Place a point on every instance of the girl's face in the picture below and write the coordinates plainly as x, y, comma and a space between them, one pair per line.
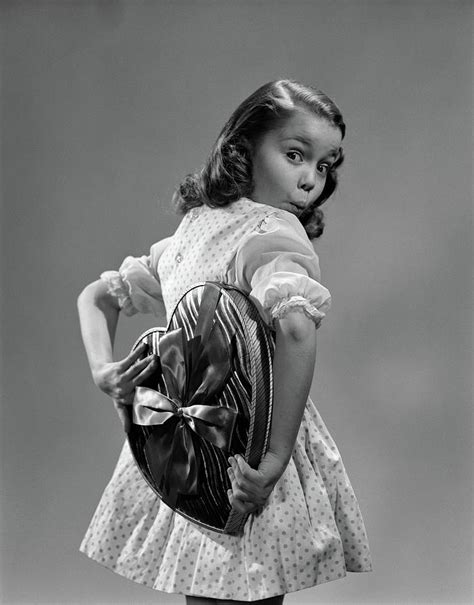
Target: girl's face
291, 162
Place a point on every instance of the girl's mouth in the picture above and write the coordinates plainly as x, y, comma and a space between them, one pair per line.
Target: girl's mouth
299, 207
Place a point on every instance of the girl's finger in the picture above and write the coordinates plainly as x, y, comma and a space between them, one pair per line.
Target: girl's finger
135, 369
237, 505
233, 482
132, 357
241, 493
245, 490
246, 470
237, 483
149, 369
240, 478
241, 506
236, 491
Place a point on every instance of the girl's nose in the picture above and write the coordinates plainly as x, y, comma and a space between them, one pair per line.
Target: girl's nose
307, 181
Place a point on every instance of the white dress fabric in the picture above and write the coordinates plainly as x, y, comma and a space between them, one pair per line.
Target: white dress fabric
311, 530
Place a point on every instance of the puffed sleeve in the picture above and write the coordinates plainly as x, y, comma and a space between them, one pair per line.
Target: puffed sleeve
277, 265
136, 284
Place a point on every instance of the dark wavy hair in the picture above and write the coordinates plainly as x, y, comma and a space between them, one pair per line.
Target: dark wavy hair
227, 174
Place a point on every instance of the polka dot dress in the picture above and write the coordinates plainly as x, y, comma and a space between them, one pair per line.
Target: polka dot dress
309, 532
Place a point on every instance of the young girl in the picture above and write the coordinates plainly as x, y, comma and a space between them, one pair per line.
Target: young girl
249, 216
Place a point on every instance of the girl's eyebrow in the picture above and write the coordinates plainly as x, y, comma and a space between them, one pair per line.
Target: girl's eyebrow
334, 152
300, 138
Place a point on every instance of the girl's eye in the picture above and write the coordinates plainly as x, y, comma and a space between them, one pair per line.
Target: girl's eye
295, 156
324, 168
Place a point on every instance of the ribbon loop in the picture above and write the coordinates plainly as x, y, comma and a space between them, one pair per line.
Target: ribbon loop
214, 423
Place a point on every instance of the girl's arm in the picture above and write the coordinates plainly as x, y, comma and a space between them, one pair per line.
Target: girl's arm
293, 368
98, 316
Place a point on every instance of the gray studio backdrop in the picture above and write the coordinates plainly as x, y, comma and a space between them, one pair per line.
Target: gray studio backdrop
106, 106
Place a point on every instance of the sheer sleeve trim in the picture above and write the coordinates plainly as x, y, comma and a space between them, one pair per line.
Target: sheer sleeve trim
297, 303
279, 293
117, 288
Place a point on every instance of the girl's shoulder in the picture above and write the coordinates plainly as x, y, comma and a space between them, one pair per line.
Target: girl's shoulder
258, 217
278, 225
243, 224
277, 234
244, 208
227, 223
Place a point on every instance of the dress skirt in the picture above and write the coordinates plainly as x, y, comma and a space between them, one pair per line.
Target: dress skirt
309, 532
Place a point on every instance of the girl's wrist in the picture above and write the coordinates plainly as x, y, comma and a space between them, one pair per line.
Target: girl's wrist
97, 371
272, 467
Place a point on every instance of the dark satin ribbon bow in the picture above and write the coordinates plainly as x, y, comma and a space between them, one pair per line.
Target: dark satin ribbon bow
194, 372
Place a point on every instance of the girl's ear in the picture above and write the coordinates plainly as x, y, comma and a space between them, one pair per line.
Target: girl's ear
244, 143
249, 148
242, 148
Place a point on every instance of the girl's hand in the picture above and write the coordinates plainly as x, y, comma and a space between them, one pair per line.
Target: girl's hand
118, 380
252, 487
